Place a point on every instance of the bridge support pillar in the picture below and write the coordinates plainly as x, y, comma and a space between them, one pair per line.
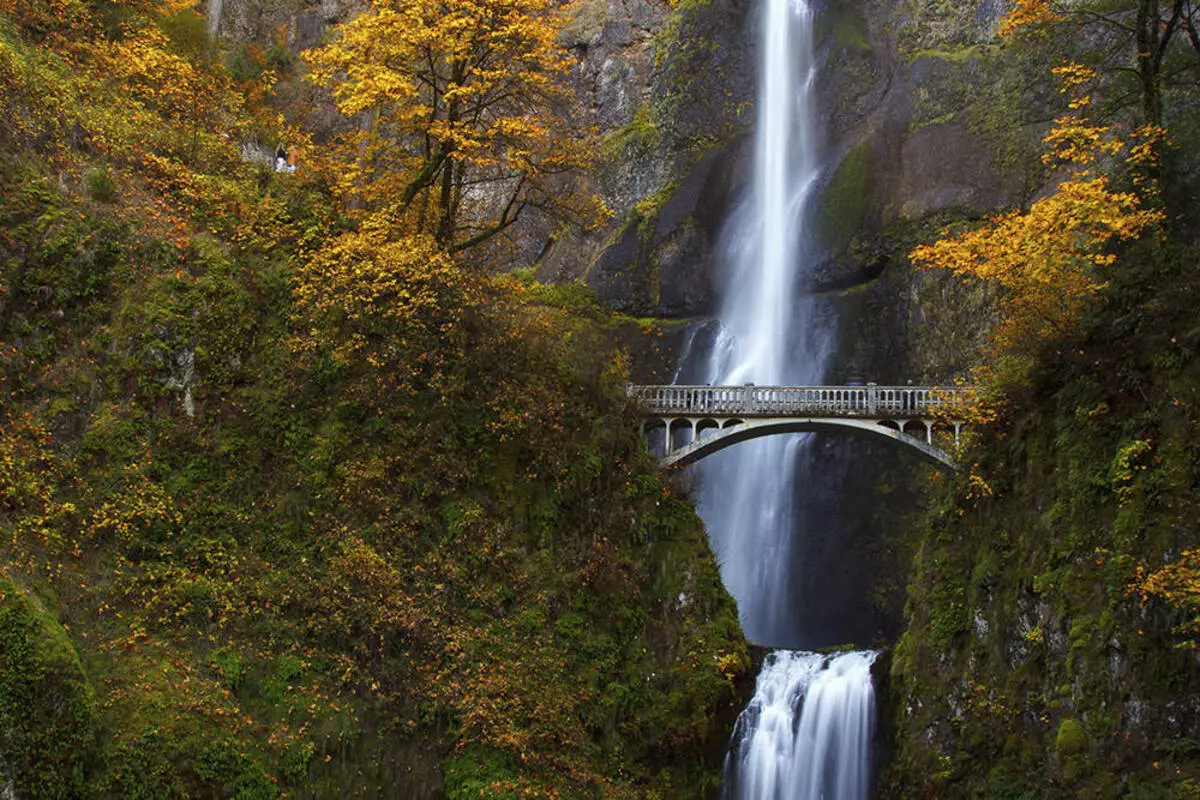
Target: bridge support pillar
748, 401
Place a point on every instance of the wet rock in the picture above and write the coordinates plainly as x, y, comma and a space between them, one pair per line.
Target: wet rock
943, 167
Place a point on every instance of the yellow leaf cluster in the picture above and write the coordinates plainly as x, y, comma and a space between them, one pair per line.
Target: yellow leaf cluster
1029, 16
155, 76
370, 296
460, 128
1177, 585
1047, 259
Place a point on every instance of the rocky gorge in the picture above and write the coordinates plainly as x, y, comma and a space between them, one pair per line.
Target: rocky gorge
444, 567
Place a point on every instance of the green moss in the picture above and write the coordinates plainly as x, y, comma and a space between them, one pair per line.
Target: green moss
843, 201
638, 139
672, 43
958, 55
1070, 739
649, 207
46, 706
917, 125
843, 22
589, 17
572, 296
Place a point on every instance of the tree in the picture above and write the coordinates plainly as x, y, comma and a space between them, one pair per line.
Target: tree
458, 103
1049, 260
1177, 586
1149, 29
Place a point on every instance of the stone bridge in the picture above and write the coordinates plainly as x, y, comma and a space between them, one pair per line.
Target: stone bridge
696, 421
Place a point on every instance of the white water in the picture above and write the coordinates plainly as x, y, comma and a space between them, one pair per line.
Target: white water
767, 334
823, 754
806, 734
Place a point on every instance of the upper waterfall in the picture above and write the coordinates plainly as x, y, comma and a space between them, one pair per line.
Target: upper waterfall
769, 333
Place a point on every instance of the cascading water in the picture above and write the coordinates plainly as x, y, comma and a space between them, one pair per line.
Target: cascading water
746, 491
822, 755
807, 732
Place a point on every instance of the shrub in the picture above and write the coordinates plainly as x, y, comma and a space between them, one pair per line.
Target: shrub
101, 187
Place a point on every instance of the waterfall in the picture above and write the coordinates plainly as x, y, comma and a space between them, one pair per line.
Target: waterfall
823, 754
807, 732
745, 492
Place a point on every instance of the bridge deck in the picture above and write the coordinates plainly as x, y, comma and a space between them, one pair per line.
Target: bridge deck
891, 402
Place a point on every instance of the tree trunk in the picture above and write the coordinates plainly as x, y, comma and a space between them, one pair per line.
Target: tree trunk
1148, 60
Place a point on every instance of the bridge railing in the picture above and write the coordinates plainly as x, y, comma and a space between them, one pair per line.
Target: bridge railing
773, 401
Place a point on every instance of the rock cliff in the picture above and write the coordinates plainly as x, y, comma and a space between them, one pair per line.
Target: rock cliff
925, 121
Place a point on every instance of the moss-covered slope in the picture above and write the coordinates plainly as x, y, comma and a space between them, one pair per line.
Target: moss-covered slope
1031, 666
236, 561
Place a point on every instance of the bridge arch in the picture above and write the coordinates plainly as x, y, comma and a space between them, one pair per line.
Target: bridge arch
696, 421
746, 430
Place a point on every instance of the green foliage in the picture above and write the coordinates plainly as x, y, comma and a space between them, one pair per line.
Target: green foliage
231, 668
476, 772
101, 187
242, 65
282, 673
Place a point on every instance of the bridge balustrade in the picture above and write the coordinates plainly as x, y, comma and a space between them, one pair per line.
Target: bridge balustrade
710, 418
758, 401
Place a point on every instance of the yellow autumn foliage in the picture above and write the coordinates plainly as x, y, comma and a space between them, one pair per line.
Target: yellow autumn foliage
1029, 14
371, 297
1048, 259
1045, 258
1177, 585
456, 100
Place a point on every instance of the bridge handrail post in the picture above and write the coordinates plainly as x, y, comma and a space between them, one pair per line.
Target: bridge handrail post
872, 398
749, 397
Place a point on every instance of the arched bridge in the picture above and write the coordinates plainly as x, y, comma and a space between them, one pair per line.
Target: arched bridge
697, 421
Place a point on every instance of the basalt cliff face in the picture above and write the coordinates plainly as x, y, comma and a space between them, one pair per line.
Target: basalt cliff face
914, 133
917, 129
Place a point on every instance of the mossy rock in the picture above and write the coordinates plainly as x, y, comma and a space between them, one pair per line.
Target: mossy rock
1071, 738
844, 25
46, 712
844, 200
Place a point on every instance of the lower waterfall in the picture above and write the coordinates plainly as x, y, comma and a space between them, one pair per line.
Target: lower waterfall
806, 735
